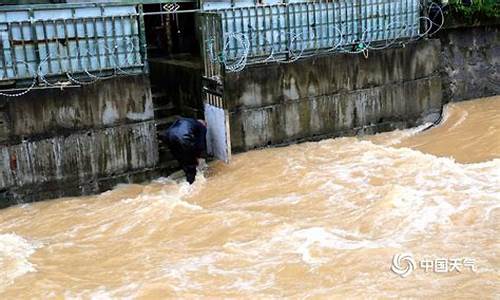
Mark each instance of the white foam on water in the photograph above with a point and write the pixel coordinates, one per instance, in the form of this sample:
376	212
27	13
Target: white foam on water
302	241
417	192
105	293
180	270
248	277
339	197
15	252
152	204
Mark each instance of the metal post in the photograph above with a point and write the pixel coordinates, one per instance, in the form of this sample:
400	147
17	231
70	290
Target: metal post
142	38
287	30
359	18
35	38
77	41
3	55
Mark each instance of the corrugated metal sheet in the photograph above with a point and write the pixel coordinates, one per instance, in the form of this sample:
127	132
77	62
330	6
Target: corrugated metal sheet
220	4
65	39
284	31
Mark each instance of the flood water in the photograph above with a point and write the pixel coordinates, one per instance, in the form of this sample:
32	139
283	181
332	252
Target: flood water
313	220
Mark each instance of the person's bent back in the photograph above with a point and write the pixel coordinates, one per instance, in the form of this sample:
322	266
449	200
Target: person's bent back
186	139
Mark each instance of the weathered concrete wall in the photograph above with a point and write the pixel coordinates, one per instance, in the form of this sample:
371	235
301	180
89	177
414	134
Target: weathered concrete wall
76	141
333	95
470	62
51	112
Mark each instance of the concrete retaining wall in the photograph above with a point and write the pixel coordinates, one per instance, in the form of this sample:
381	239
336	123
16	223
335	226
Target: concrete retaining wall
76	141
333	95
84	140
471	62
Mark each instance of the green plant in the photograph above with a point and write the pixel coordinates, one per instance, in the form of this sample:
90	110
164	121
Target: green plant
475	9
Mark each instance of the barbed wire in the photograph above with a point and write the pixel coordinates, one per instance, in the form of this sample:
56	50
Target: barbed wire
115	69
236	50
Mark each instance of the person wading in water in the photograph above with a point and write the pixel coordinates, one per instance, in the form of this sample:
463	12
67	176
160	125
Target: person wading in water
186	139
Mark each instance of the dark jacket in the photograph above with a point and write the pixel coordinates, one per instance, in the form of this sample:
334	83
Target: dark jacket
186	139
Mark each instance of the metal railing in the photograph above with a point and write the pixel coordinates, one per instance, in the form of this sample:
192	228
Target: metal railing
58	46
286	32
79	49
211	28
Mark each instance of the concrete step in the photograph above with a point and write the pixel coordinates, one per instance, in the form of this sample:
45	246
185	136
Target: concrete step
165	111
167	120
165	155
169	165
165	107
154	88
158	94
164	123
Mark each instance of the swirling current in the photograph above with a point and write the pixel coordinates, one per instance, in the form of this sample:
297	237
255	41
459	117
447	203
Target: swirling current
409	213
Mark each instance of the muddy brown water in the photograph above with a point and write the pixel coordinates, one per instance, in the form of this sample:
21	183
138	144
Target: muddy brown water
313	220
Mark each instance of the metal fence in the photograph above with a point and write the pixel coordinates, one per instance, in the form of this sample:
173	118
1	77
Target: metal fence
285	32
75	42
211	28
89	40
